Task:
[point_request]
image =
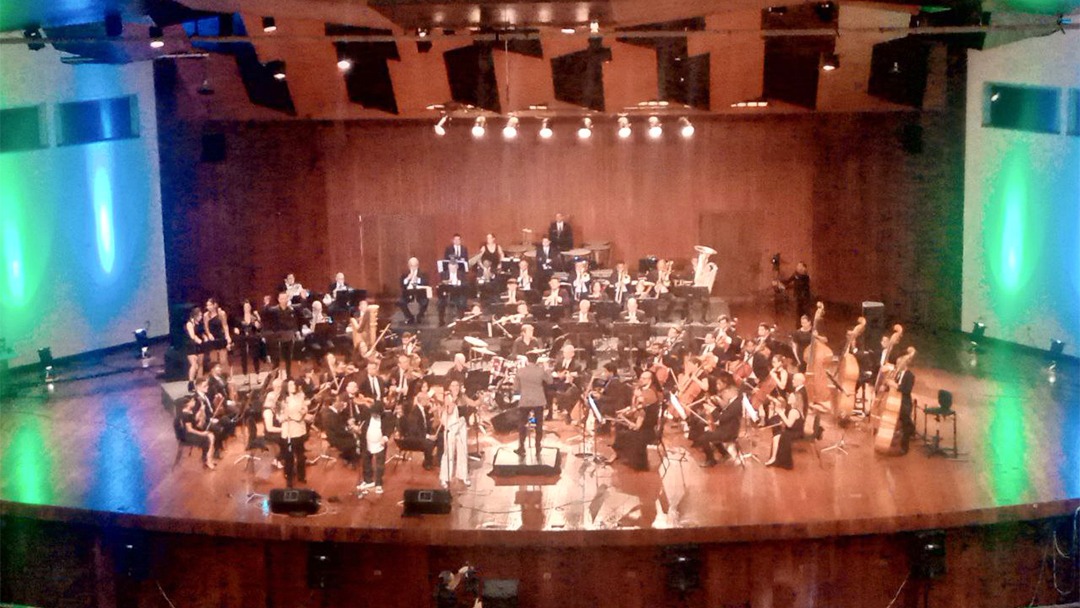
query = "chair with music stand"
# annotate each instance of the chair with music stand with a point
(943, 410)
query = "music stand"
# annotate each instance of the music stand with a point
(548, 313)
(442, 265)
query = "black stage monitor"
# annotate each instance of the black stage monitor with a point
(297, 502)
(426, 502)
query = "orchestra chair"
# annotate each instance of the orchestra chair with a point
(943, 410)
(402, 455)
(812, 438)
(181, 442)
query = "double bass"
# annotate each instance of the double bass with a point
(817, 355)
(881, 389)
(888, 436)
(846, 372)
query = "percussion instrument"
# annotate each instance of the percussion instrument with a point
(576, 253)
(484, 351)
(475, 342)
(600, 250)
(514, 250)
(530, 253)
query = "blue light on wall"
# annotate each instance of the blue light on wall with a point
(103, 218)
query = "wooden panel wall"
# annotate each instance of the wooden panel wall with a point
(875, 222)
(988, 567)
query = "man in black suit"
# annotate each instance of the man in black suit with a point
(280, 325)
(561, 233)
(547, 259)
(415, 427)
(413, 284)
(611, 394)
(337, 285)
(455, 251)
(531, 385)
(371, 385)
(725, 420)
(904, 383)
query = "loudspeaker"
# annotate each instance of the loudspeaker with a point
(294, 501)
(874, 313)
(426, 502)
(927, 555)
(213, 148)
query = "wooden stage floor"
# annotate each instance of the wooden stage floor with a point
(102, 449)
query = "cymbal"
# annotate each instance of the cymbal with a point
(530, 253)
(484, 351)
(704, 249)
(516, 248)
(476, 342)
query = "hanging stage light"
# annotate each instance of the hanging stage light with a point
(655, 128)
(545, 130)
(479, 127)
(269, 25)
(685, 128)
(510, 131)
(440, 127)
(624, 127)
(585, 131)
(157, 37)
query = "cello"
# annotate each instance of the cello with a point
(816, 356)
(846, 372)
(887, 440)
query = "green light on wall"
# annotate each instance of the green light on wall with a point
(14, 267)
(27, 465)
(1013, 215)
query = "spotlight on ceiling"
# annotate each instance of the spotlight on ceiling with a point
(479, 127)
(157, 37)
(685, 128)
(1057, 347)
(568, 30)
(511, 128)
(655, 128)
(344, 64)
(545, 129)
(269, 25)
(978, 332)
(624, 127)
(277, 69)
(830, 62)
(440, 127)
(421, 32)
(585, 130)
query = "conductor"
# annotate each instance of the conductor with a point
(529, 384)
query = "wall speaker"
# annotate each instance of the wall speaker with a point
(426, 502)
(294, 501)
(927, 555)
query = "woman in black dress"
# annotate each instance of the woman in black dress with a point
(636, 425)
(789, 423)
(492, 252)
(249, 337)
(216, 327)
(193, 345)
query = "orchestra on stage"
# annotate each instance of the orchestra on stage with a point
(527, 334)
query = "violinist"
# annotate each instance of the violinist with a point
(636, 425)
(404, 381)
(416, 426)
(335, 423)
(371, 385)
(689, 385)
(723, 411)
(609, 392)
(191, 432)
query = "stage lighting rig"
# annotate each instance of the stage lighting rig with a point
(45, 358)
(830, 62)
(624, 127)
(545, 129)
(686, 129)
(35, 41)
(157, 37)
(510, 131)
(142, 340)
(585, 130)
(440, 127)
(479, 127)
(269, 25)
(655, 128)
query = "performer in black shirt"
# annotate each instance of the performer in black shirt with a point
(800, 284)
(456, 251)
(280, 324)
(561, 233)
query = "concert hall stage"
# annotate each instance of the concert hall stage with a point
(95, 457)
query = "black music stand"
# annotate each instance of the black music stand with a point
(548, 313)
